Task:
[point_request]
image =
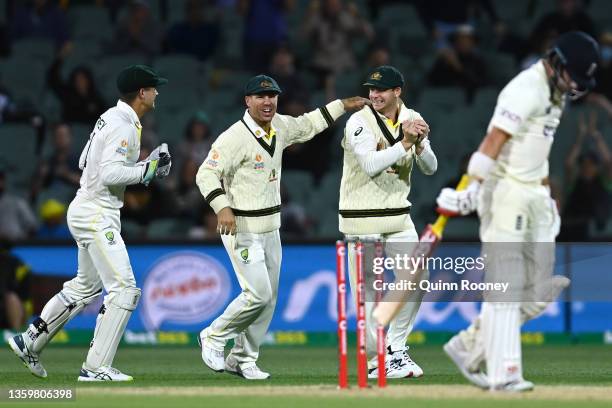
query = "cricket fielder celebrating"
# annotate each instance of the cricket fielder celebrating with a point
(109, 164)
(240, 180)
(510, 190)
(381, 144)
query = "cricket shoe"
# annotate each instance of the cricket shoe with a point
(213, 358)
(250, 373)
(30, 359)
(458, 353)
(401, 365)
(514, 386)
(104, 373)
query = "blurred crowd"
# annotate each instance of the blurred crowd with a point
(317, 50)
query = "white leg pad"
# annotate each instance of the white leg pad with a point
(56, 313)
(500, 327)
(110, 326)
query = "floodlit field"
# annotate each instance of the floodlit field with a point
(565, 376)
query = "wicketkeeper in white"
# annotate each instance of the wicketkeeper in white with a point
(240, 179)
(519, 219)
(109, 164)
(381, 144)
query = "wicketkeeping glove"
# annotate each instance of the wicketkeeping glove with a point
(157, 164)
(452, 202)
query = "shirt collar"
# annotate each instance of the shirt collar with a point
(388, 121)
(257, 130)
(124, 107)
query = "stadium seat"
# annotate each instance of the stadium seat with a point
(181, 70)
(39, 50)
(441, 98)
(299, 185)
(167, 228)
(500, 67)
(90, 22)
(132, 230)
(17, 155)
(23, 78)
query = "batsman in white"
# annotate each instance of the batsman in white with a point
(109, 164)
(509, 188)
(240, 180)
(381, 144)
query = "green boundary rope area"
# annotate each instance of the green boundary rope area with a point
(317, 339)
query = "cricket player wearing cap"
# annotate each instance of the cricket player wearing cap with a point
(509, 188)
(381, 144)
(240, 180)
(109, 164)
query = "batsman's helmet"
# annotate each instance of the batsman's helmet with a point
(577, 53)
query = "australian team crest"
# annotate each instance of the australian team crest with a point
(110, 236)
(244, 254)
(376, 76)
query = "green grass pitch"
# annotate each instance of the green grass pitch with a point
(565, 376)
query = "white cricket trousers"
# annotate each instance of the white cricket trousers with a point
(398, 243)
(519, 223)
(103, 260)
(256, 259)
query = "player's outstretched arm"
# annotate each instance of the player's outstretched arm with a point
(307, 126)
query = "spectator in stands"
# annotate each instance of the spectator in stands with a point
(40, 18)
(60, 171)
(80, 99)
(295, 92)
(53, 217)
(197, 141)
(137, 32)
(15, 282)
(464, 67)
(265, 29)
(17, 220)
(589, 173)
(569, 16)
(602, 96)
(198, 34)
(442, 18)
(331, 26)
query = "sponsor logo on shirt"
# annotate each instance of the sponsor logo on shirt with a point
(512, 116)
(259, 165)
(122, 150)
(358, 131)
(273, 175)
(212, 162)
(100, 123)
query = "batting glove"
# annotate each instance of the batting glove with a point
(452, 202)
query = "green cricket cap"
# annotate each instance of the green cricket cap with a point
(134, 77)
(261, 84)
(385, 77)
